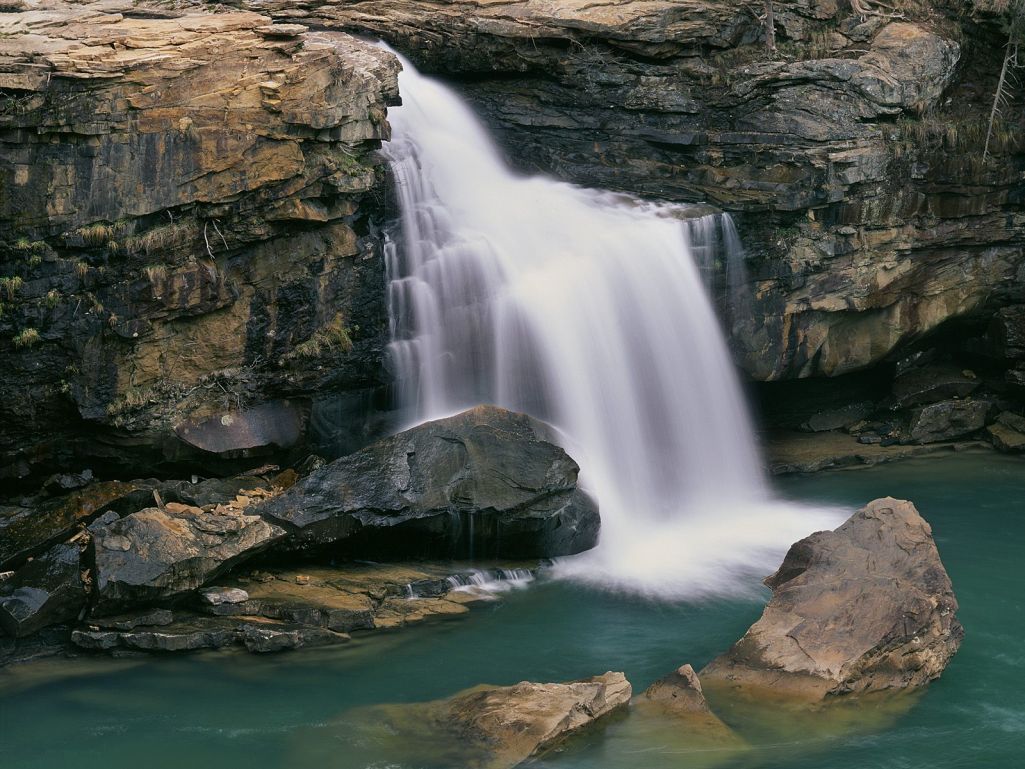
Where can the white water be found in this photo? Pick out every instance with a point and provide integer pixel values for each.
(585, 309)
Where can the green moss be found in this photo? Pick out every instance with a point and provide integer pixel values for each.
(27, 338)
(11, 286)
(333, 337)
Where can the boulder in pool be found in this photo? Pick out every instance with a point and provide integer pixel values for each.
(487, 483)
(866, 607)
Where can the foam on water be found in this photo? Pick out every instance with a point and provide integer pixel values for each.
(586, 309)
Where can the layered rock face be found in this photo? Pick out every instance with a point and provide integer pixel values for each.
(186, 231)
(865, 608)
(852, 158)
(484, 483)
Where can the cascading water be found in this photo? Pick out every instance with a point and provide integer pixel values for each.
(586, 309)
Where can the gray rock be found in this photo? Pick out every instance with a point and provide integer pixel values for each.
(264, 640)
(867, 607)
(947, 420)
(215, 596)
(484, 483)
(151, 618)
(155, 555)
(930, 384)
(45, 591)
(1008, 432)
(835, 419)
(29, 530)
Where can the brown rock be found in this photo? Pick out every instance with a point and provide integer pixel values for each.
(867, 607)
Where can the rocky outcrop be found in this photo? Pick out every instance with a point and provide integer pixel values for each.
(159, 554)
(283, 609)
(867, 607)
(187, 234)
(484, 483)
(851, 157)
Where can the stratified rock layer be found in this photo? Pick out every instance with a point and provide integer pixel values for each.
(852, 156)
(186, 233)
(484, 483)
(867, 607)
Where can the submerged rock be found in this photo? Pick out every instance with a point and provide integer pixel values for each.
(680, 691)
(484, 483)
(154, 554)
(517, 722)
(867, 607)
(491, 727)
(679, 696)
(45, 591)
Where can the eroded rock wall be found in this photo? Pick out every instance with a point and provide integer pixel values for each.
(188, 212)
(851, 157)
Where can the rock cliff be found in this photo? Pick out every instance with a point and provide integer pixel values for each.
(188, 203)
(851, 157)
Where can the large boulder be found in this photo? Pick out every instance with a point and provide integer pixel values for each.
(866, 607)
(946, 420)
(159, 554)
(484, 483)
(45, 591)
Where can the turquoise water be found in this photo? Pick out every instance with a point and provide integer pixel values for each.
(296, 710)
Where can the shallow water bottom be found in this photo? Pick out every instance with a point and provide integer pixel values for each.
(302, 709)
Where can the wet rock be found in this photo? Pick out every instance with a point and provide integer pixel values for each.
(1008, 432)
(835, 419)
(500, 727)
(151, 618)
(264, 640)
(25, 531)
(795, 452)
(484, 483)
(680, 696)
(866, 607)
(930, 384)
(154, 555)
(64, 482)
(946, 420)
(216, 596)
(46, 591)
(680, 690)
(196, 632)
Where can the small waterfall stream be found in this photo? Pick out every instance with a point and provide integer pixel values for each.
(586, 309)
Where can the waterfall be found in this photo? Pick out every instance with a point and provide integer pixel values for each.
(586, 309)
